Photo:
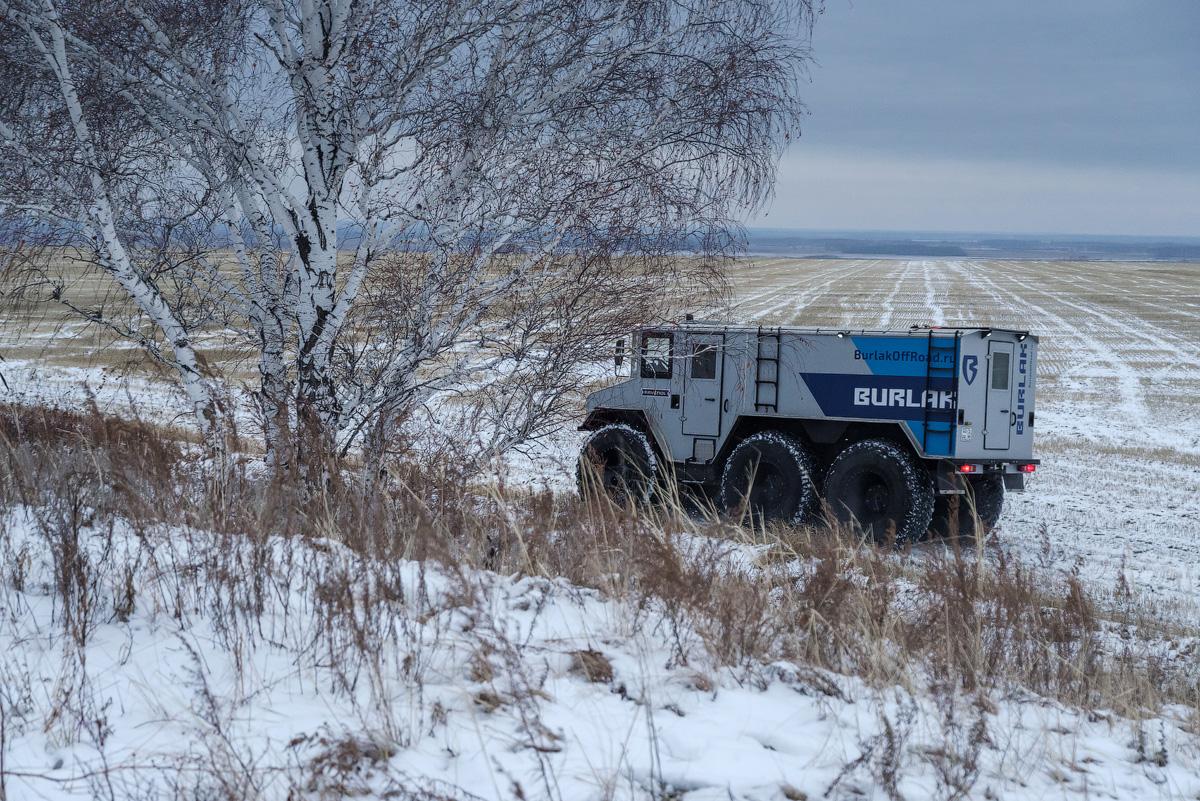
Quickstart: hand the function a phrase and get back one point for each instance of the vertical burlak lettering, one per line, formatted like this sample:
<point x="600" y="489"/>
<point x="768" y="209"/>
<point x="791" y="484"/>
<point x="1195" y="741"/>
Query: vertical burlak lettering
<point x="1022" y="366"/>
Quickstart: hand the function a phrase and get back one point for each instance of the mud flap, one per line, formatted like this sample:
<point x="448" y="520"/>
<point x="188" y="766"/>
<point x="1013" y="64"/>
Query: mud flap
<point x="1014" y="482"/>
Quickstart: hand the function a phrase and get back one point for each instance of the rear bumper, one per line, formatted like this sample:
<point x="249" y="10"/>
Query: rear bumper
<point x="949" y="472"/>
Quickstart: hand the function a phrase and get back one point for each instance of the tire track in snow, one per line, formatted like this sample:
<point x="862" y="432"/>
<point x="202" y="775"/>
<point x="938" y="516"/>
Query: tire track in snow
<point x="777" y="281"/>
<point x="1096" y="515"/>
<point x="889" y="302"/>
<point x="936" y="316"/>
<point x="1168" y="428"/>
<point x="1133" y="404"/>
<point x="1109" y="319"/>
<point x="1135" y="328"/>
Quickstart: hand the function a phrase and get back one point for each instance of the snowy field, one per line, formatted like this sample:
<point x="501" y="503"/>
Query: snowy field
<point x="1118" y="427"/>
<point x="477" y="688"/>
<point x="1118" y="432"/>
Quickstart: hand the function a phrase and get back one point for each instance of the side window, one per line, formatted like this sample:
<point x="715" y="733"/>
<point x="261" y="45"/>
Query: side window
<point x="1000" y="369"/>
<point x="704" y="361"/>
<point x="623" y="358"/>
<point x="656" y="356"/>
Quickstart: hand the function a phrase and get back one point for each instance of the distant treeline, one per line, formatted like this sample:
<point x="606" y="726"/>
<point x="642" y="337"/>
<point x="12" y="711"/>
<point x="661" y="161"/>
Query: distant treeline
<point x="867" y="247"/>
<point x="1176" y="252"/>
<point x="757" y="241"/>
<point x="983" y="246"/>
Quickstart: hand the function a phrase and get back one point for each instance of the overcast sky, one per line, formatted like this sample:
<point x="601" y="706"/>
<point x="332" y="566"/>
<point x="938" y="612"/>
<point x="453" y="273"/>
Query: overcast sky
<point x="1052" y="116"/>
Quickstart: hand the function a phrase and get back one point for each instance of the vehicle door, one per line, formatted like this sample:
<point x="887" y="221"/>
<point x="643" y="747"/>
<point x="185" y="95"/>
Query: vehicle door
<point x="998" y="414"/>
<point x="702" y="365"/>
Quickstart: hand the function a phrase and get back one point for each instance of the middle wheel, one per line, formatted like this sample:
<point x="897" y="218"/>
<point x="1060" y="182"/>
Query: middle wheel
<point x="879" y="486"/>
<point x="770" y="475"/>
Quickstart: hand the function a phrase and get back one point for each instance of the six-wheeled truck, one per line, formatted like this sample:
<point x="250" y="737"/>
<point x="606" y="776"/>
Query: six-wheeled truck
<point x="891" y="429"/>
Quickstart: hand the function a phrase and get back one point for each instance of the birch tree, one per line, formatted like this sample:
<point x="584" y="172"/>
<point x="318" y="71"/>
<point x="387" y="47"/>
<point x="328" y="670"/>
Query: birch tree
<point x="422" y="195"/>
<point x="67" y="160"/>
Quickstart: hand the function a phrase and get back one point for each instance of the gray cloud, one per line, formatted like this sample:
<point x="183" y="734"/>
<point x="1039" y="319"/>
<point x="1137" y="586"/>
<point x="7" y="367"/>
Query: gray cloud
<point x="1073" y="90"/>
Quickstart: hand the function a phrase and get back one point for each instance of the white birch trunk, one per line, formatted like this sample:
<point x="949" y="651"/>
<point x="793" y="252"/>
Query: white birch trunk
<point x="114" y="256"/>
<point x="512" y="126"/>
<point x="265" y="284"/>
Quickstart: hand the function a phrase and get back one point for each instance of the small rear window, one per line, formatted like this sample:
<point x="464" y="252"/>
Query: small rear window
<point x="1000" y="369"/>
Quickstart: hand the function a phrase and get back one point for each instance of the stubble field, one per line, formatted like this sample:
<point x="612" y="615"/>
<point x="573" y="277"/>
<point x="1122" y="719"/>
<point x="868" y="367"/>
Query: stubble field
<point x="591" y="657"/>
<point x="1117" y="496"/>
<point x="1118" y="430"/>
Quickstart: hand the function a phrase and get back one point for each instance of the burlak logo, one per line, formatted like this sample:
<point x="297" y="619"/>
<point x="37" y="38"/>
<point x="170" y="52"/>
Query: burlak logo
<point x="905" y="398"/>
<point x="970" y="368"/>
<point x="1022" y="367"/>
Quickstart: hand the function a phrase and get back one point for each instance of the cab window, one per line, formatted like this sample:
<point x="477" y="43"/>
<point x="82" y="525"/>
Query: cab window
<point x="656" y="356"/>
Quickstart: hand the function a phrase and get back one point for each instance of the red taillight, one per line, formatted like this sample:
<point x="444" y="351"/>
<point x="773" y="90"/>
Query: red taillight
<point x="968" y="468"/>
<point x="1027" y="468"/>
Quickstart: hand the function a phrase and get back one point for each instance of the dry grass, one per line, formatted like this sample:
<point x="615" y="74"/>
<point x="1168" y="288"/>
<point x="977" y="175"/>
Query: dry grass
<point x="969" y="619"/>
<point x="944" y="622"/>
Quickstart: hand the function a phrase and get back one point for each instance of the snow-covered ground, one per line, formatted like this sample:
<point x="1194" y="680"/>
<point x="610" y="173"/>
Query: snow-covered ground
<point x="1118" y="428"/>
<point x="1117" y="495"/>
<point x="480" y="686"/>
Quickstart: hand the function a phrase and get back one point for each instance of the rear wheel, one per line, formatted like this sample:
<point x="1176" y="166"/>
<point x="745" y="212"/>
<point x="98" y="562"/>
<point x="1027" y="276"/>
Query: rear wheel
<point x="618" y="461"/>
<point x="972" y="514"/>
<point x="880" y="487"/>
<point x="770" y="475"/>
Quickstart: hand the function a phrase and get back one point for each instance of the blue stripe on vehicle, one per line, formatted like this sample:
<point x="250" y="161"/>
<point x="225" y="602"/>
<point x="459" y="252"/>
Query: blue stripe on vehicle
<point x="900" y="356"/>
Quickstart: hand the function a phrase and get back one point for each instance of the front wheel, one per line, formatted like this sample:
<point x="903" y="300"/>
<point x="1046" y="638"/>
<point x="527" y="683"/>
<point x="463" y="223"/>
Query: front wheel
<point x="618" y="461"/>
<point x="879" y="486"/>
<point x="770" y="475"/>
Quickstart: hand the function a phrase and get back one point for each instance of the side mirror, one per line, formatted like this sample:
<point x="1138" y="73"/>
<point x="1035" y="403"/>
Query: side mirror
<point x="619" y="356"/>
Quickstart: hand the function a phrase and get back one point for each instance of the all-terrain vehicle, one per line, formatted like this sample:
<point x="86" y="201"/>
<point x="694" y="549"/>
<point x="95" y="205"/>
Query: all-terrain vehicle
<point x="890" y="428"/>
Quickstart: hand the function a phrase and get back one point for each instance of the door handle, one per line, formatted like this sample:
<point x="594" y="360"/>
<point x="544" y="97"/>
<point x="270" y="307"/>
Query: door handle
<point x="711" y="400"/>
<point x="1013" y="421"/>
<point x="726" y="404"/>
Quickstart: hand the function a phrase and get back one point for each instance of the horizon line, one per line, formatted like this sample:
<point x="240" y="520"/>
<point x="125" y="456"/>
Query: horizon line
<point x="876" y="232"/>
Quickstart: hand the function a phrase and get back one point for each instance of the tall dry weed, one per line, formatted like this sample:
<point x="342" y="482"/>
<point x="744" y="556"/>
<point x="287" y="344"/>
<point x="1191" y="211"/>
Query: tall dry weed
<point x="952" y="621"/>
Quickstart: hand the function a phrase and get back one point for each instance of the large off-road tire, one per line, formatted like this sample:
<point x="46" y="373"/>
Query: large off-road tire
<point x="952" y="515"/>
<point x="770" y="476"/>
<point x="618" y="461"/>
<point x="881" y="488"/>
